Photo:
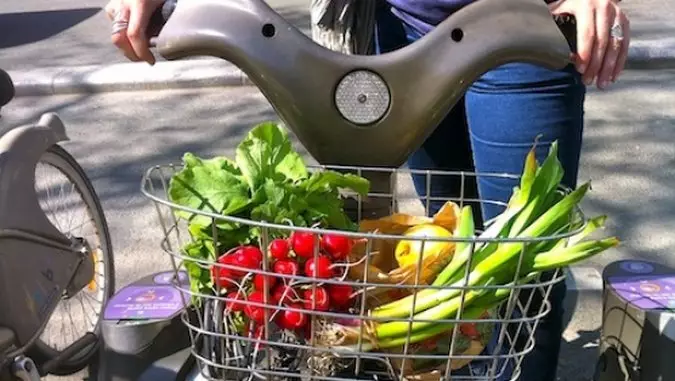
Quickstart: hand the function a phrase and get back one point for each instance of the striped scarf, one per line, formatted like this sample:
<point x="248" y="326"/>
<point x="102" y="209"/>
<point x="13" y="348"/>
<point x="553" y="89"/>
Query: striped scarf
<point x="345" y="26"/>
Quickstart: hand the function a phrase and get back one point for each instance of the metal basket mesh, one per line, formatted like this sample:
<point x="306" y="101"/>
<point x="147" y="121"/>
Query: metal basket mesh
<point x="225" y="351"/>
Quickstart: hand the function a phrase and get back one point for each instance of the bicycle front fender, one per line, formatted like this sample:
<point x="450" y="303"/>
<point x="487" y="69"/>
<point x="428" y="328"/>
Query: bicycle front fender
<point x="32" y="274"/>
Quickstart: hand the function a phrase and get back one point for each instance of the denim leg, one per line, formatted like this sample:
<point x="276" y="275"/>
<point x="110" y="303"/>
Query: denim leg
<point x="448" y="147"/>
<point x="507" y="109"/>
<point x="492" y="130"/>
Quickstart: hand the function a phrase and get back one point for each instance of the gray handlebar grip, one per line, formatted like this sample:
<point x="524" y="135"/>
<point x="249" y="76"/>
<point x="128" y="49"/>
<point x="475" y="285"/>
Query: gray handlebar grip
<point x="364" y="110"/>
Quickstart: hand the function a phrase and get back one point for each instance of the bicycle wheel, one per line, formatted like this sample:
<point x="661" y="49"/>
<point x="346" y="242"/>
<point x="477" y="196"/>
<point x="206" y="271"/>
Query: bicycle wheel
<point x="62" y="193"/>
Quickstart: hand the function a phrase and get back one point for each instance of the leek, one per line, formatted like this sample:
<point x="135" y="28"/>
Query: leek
<point x="565" y="256"/>
<point x="440" y="311"/>
<point x="489" y="265"/>
<point x="463" y="250"/>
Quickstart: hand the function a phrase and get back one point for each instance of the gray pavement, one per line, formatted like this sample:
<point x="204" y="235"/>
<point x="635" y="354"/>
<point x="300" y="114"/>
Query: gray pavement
<point x="40" y="33"/>
<point x="628" y="154"/>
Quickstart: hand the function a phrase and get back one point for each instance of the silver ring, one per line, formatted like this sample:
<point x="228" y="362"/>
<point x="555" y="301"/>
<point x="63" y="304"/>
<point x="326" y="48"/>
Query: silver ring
<point x="617" y="32"/>
<point x="119" y="26"/>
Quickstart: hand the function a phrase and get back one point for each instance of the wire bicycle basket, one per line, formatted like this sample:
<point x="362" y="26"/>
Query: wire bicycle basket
<point x="377" y="311"/>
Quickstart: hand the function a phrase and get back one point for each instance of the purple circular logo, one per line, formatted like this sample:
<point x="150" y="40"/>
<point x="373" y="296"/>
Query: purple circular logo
<point x="637" y="267"/>
<point x="169" y="277"/>
<point x="152" y="295"/>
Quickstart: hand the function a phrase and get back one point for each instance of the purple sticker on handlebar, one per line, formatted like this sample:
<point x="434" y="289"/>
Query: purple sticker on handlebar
<point x="646" y="292"/>
<point x="169" y="277"/>
<point x="637" y="267"/>
<point x="144" y="302"/>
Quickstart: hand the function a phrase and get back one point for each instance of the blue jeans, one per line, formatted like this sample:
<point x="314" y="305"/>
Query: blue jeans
<point x="491" y="130"/>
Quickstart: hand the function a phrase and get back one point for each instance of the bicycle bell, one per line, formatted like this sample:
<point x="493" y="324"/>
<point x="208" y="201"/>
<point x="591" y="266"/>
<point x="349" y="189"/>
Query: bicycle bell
<point x="371" y="111"/>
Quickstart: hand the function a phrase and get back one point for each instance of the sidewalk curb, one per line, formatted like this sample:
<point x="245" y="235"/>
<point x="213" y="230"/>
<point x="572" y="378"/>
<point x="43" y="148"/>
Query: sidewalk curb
<point x="652" y="55"/>
<point x="132" y="76"/>
<point x="211" y="72"/>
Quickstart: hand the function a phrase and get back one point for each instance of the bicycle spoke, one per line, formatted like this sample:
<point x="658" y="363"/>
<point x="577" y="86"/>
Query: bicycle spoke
<point x="55" y="220"/>
<point x="66" y="199"/>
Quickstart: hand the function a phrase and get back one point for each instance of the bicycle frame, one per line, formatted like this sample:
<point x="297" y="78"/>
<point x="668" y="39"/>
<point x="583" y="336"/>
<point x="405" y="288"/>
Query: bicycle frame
<point x="382" y="107"/>
<point x="39" y="263"/>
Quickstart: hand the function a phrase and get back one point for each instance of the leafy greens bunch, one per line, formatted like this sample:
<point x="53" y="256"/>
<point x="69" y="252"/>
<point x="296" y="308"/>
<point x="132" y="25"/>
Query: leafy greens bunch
<point x="267" y="181"/>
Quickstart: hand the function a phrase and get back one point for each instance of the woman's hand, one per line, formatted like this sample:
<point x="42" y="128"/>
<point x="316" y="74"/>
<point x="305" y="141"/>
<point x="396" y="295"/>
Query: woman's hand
<point x="603" y="36"/>
<point x="130" y="22"/>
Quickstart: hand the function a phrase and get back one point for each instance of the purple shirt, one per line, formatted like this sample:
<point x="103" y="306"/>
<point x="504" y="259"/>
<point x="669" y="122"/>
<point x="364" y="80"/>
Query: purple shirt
<point x="423" y="15"/>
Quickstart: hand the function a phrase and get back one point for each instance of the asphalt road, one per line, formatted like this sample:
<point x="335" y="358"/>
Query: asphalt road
<point x="39" y="33"/>
<point x="628" y="154"/>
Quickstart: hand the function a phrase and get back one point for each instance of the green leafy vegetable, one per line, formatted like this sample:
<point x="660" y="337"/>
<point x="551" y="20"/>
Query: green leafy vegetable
<point x="268" y="181"/>
<point x="266" y="153"/>
<point x="213" y="185"/>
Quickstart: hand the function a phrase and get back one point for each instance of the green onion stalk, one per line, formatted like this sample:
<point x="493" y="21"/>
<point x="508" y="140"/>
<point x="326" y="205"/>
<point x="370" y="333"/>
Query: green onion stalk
<point x="536" y="209"/>
<point x="488" y="266"/>
<point x="433" y="321"/>
<point x="524" y="202"/>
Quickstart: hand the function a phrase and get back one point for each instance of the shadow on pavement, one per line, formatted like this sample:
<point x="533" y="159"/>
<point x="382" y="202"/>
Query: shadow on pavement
<point x="29" y="27"/>
<point x="32" y="40"/>
<point x="577" y="364"/>
<point x="629" y="157"/>
<point x="147" y="142"/>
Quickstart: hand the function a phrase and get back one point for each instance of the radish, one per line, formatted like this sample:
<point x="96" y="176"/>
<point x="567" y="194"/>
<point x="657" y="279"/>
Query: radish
<point x="321" y="268"/>
<point x="337" y="246"/>
<point x="279" y="249"/>
<point x="250" y="255"/>
<point x="318" y="297"/>
<point x="255" y="313"/>
<point x="234" y="305"/>
<point x="284" y="292"/>
<point x="340" y="294"/>
<point x="259" y="281"/>
<point x="286" y="267"/>
<point x="303" y="244"/>
<point x="225" y="277"/>
<point x="292" y="320"/>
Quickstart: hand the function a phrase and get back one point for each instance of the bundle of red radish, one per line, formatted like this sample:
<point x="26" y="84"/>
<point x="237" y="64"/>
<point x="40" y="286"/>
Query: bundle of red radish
<point x="293" y="259"/>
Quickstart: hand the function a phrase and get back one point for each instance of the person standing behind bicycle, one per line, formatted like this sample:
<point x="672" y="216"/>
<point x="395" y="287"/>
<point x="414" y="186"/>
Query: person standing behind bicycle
<point x="501" y="115"/>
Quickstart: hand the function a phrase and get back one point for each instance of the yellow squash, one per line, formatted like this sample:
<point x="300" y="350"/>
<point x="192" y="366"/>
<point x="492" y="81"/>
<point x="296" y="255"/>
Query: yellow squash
<point x="408" y="251"/>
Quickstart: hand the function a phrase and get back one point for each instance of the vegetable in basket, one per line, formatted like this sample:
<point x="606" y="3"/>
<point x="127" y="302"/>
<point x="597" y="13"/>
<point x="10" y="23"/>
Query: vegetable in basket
<point x="540" y="230"/>
<point x="267" y="181"/>
<point x="538" y="221"/>
<point x="409" y="251"/>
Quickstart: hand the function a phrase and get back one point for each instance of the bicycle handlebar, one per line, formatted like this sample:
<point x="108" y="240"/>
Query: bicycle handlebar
<point x="363" y="110"/>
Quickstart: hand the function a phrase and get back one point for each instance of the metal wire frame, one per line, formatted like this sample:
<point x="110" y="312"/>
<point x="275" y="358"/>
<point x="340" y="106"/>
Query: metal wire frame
<point x="231" y="355"/>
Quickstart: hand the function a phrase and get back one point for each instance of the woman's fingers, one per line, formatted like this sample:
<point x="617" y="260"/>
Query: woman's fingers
<point x="604" y="18"/>
<point x="601" y="53"/>
<point x="585" y="38"/>
<point x="130" y="22"/>
<point x="615" y="55"/>
<point x="141" y="11"/>
<point x="625" y="43"/>
<point x="609" y="63"/>
<point x="119" y="37"/>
